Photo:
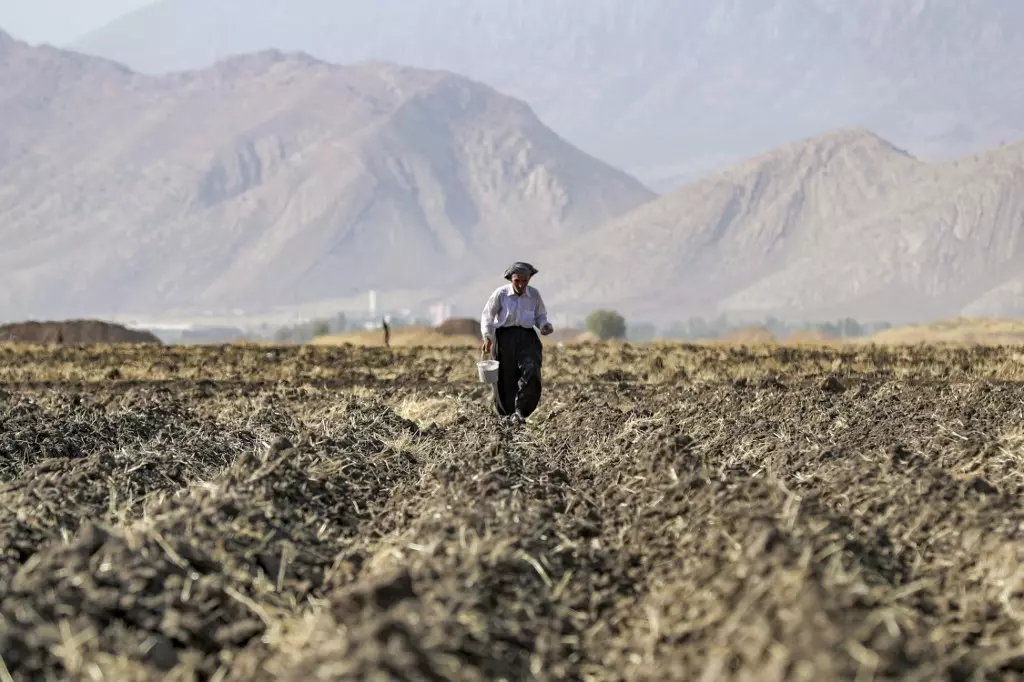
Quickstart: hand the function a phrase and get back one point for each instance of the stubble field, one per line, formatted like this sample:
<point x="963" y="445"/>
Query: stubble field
<point x="671" y="512"/>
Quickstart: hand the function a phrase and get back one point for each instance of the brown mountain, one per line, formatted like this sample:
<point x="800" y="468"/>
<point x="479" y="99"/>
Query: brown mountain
<point x="841" y="224"/>
<point x="270" y="179"/>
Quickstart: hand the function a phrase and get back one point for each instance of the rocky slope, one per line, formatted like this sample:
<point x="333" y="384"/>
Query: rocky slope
<point x="662" y="88"/>
<point x="269" y="179"/>
<point x="841" y="224"/>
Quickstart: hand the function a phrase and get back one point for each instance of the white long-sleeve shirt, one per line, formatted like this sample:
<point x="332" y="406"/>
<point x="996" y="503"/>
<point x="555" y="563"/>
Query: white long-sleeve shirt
<point x="505" y="308"/>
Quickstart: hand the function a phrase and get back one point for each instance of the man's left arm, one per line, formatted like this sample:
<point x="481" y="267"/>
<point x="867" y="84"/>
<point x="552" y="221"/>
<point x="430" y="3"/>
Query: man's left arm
<point x="541" y="316"/>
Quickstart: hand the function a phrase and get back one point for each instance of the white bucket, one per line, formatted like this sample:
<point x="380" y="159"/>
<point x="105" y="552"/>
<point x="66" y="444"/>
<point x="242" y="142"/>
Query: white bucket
<point x="488" y="371"/>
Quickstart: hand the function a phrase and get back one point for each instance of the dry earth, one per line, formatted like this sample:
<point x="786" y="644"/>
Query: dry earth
<point x="672" y="512"/>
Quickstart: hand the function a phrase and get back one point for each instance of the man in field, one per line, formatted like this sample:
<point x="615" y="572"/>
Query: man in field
<point x="507" y="323"/>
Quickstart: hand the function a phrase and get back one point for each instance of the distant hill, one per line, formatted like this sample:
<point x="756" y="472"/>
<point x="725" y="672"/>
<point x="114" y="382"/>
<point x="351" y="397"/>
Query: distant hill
<point x="663" y="88"/>
<point x="841" y="224"/>
<point x="73" y="332"/>
<point x="972" y="331"/>
<point x="270" y="179"/>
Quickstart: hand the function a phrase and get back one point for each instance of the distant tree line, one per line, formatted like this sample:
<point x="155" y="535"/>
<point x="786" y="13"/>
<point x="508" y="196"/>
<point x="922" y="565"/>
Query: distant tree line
<point x="298" y="333"/>
<point x="338" y="324"/>
<point x="610" y="325"/>
<point x="307" y="331"/>
<point x="721" y="326"/>
<point x="603" y="324"/>
<point x="303" y="332"/>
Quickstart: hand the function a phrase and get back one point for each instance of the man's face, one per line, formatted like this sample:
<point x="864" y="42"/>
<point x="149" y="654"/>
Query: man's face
<point x="519" y="283"/>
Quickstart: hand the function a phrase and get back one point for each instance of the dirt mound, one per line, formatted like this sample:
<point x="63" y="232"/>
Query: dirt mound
<point x="811" y="336"/>
<point x="963" y="331"/>
<point x="460" y="326"/>
<point x="749" y="335"/>
<point x="73" y="332"/>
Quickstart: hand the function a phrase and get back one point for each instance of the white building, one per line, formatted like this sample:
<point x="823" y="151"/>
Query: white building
<point x="440" y="312"/>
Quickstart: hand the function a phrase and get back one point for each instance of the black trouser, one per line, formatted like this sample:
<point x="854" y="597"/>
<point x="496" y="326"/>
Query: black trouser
<point x="520" y="354"/>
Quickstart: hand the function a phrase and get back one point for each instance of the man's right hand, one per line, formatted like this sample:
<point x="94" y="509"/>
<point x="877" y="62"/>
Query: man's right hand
<point x="488" y="346"/>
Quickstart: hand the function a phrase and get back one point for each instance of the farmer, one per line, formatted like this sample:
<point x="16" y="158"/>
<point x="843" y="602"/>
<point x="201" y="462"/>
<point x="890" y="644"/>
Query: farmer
<point x="507" y="323"/>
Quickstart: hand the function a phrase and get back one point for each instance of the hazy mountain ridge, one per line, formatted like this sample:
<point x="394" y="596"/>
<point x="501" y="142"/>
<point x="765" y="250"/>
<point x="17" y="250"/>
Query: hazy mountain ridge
<point x="275" y="178"/>
<point x="270" y="178"/>
<point x="655" y="87"/>
<point x="841" y="224"/>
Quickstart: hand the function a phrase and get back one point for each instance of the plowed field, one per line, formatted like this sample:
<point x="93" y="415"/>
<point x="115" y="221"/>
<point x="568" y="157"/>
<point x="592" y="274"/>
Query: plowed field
<point x="684" y="513"/>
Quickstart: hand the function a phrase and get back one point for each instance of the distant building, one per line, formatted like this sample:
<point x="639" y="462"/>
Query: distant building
<point x="440" y="312"/>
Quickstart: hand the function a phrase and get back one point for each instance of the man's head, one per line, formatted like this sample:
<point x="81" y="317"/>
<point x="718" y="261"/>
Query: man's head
<point x="519" y="274"/>
<point x="519" y="282"/>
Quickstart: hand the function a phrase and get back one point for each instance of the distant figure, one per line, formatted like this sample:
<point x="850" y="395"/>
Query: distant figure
<point x="387" y="333"/>
<point x="506" y="324"/>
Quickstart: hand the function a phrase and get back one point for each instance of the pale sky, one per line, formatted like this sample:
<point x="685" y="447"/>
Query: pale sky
<point x="60" y="21"/>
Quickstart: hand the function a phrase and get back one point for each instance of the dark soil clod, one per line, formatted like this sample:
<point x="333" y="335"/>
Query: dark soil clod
<point x="980" y="485"/>
<point x="832" y="384"/>
<point x="159" y="652"/>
